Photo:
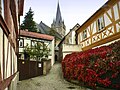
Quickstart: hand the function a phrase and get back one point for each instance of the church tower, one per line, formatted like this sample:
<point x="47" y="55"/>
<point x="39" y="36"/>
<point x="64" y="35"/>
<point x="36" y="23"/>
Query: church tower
<point x="58" y="23"/>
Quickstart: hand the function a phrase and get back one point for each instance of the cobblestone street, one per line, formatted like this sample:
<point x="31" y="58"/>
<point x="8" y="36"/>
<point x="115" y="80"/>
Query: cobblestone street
<point x="52" y="81"/>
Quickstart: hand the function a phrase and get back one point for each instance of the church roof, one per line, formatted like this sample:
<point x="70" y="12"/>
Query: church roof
<point x="44" y="29"/>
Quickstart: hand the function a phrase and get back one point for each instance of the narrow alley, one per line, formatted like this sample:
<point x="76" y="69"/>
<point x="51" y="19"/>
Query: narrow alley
<point x="52" y="81"/>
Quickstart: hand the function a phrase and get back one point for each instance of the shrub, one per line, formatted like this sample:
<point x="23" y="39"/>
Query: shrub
<point x="94" y="67"/>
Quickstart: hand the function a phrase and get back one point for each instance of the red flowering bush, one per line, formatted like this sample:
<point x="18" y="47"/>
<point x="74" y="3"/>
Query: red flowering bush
<point x="94" y="67"/>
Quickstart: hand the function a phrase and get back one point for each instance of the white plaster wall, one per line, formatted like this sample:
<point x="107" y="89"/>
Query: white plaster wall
<point x="9" y="62"/>
<point x="73" y="37"/>
<point x="107" y="20"/>
<point x="5" y="53"/>
<point x="15" y="61"/>
<point x="12" y="60"/>
<point x="20" y="49"/>
<point x="79" y="38"/>
<point x="118" y="27"/>
<point x="88" y="29"/>
<point x="67" y="49"/>
<point x="53" y="52"/>
<point x="10" y="57"/>
<point x="1" y="51"/>
<point x="64" y="54"/>
<point x="27" y="41"/>
<point x="94" y="25"/>
<point x="116" y="13"/>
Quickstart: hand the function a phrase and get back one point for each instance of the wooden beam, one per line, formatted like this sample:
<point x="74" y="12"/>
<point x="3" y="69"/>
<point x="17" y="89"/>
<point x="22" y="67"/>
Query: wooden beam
<point x="4" y="26"/>
<point x="113" y="22"/>
<point x="20" y="7"/>
<point x="6" y="82"/>
<point x="14" y="15"/>
<point x="103" y="41"/>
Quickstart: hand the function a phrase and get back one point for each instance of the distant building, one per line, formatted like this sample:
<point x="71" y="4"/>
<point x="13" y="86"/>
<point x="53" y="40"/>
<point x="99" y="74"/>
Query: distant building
<point x="32" y="38"/>
<point x="57" y="28"/>
<point x="68" y="44"/>
<point x="58" y="24"/>
<point x="70" y="37"/>
<point x="44" y="29"/>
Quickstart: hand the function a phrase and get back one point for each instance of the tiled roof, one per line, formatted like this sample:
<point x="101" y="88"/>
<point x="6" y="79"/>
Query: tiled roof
<point x="44" y="29"/>
<point x="35" y="35"/>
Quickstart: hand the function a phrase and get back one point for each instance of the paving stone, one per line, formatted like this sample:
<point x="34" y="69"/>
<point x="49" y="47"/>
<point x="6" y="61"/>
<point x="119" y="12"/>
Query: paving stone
<point x="52" y="81"/>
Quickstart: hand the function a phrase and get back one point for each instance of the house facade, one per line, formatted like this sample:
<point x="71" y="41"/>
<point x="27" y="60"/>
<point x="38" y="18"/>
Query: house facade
<point x="70" y="37"/>
<point x="102" y="27"/>
<point x="30" y="39"/>
<point x="10" y="12"/>
<point x="68" y="43"/>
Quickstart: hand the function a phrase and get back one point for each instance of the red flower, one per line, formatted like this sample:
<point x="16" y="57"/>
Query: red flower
<point x="99" y="65"/>
<point x="105" y="82"/>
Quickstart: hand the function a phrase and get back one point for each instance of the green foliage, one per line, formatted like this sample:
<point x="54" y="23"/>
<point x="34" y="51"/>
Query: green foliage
<point x="28" y="22"/>
<point x="38" y="51"/>
<point x="52" y="32"/>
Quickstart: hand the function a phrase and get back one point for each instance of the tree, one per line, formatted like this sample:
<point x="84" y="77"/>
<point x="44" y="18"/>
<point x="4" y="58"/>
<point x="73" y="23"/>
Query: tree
<point x="38" y="51"/>
<point x="52" y="32"/>
<point x="28" y="22"/>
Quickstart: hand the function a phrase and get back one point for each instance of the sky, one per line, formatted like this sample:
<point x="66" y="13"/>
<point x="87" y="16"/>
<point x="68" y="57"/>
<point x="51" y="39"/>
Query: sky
<point x="72" y="11"/>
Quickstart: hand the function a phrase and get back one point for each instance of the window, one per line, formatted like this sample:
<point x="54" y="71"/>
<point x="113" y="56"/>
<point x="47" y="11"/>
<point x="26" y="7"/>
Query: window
<point x="21" y="43"/>
<point x="84" y="34"/>
<point x="100" y="23"/>
<point x="33" y="43"/>
<point x="70" y="40"/>
<point x="40" y="44"/>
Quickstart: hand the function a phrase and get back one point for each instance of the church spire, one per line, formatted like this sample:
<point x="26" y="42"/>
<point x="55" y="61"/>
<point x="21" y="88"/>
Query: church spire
<point x="58" y="15"/>
<point x="58" y="24"/>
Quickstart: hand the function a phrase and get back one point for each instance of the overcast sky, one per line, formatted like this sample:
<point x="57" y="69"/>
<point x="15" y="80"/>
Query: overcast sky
<point x="72" y="11"/>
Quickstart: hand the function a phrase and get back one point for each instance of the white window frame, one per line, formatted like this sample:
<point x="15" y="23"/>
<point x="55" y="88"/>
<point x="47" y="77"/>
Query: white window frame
<point x="84" y="34"/>
<point x="100" y="23"/>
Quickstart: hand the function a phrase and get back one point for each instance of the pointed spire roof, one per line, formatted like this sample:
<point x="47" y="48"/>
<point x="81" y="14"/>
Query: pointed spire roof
<point x="58" y="15"/>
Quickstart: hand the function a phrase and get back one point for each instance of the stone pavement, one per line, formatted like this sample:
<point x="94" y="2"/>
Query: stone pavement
<point x="52" y="81"/>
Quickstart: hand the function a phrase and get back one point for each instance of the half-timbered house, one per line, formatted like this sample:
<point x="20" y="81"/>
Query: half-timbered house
<point x="102" y="27"/>
<point x="32" y="38"/>
<point x="10" y="12"/>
